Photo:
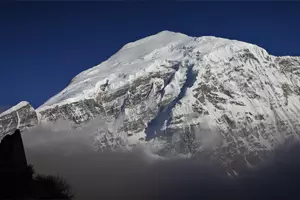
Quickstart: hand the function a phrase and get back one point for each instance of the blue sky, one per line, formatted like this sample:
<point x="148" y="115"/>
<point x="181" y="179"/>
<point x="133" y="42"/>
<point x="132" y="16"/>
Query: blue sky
<point x="44" y="45"/>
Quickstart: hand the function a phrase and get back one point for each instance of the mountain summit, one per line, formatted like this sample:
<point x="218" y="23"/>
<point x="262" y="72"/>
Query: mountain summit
<point x="184" y="95"/>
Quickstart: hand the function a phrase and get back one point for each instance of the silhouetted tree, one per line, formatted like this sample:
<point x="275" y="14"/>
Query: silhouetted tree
<point x="49" y="186"/>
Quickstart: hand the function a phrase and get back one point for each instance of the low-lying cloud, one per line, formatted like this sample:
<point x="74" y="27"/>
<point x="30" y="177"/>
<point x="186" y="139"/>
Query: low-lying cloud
<point x="135" y="175"/>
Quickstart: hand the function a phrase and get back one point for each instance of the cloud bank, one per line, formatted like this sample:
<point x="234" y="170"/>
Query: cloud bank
<point x="135" y="175"/>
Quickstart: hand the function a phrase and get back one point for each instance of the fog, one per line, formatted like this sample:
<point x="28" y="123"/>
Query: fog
<point x="136" y="175"/>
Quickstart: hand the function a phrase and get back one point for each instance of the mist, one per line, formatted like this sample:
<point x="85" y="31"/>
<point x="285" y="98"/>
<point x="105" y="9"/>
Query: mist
<point x="137" y="175"/>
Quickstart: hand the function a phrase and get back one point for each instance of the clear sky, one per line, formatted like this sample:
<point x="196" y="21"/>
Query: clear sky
<point x="44" y="45"/>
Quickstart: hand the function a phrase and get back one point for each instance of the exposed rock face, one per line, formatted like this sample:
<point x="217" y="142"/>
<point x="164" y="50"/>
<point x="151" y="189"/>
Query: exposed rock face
<point x="76" y="112"/>
<point x="187" y="95"/>
<point x="250" y="99"/>
<point x="20" y="117"/>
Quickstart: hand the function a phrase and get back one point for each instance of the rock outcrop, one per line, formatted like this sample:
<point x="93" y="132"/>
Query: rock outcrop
<point x="15" y="175"/>
<point x="18" y="179"/>
<point x="20" y="117"/>
<point x="12" y="153"/>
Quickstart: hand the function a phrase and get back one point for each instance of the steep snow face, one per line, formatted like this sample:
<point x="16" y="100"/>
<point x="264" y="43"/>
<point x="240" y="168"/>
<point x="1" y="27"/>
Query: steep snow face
<point x="133" y="60"/>
<point x="186" y="95"/>
<point x="137" y="59"/>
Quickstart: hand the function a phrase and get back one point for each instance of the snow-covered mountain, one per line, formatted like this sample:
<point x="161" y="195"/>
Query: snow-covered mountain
<point x="20" y="116"/>
<point x="184" y="95"/>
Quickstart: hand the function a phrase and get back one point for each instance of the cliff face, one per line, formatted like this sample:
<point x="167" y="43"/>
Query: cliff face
<point x="184" y="95"/>
<point x="21" y="116"/>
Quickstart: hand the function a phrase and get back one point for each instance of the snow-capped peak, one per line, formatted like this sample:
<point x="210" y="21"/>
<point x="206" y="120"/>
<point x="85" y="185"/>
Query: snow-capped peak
<point x="15" y="108"/>
<point x="138" y="58"/>
<point x="198" y="93"/>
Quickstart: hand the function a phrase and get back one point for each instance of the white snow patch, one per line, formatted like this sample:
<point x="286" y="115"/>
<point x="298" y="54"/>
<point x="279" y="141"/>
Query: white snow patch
<point x="15" y="108"/>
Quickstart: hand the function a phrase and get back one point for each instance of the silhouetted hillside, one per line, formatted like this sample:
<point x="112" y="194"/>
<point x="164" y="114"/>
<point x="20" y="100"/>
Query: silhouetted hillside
<point x="18" y="180"/>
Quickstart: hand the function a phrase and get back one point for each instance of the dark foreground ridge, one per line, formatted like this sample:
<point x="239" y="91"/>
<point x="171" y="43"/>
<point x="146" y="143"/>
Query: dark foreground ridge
<point x="18" y="180"/>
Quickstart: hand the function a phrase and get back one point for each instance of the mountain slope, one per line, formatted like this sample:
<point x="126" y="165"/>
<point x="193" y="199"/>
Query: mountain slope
<point x="20" y="117"/>
<point x="185" y="95"/>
